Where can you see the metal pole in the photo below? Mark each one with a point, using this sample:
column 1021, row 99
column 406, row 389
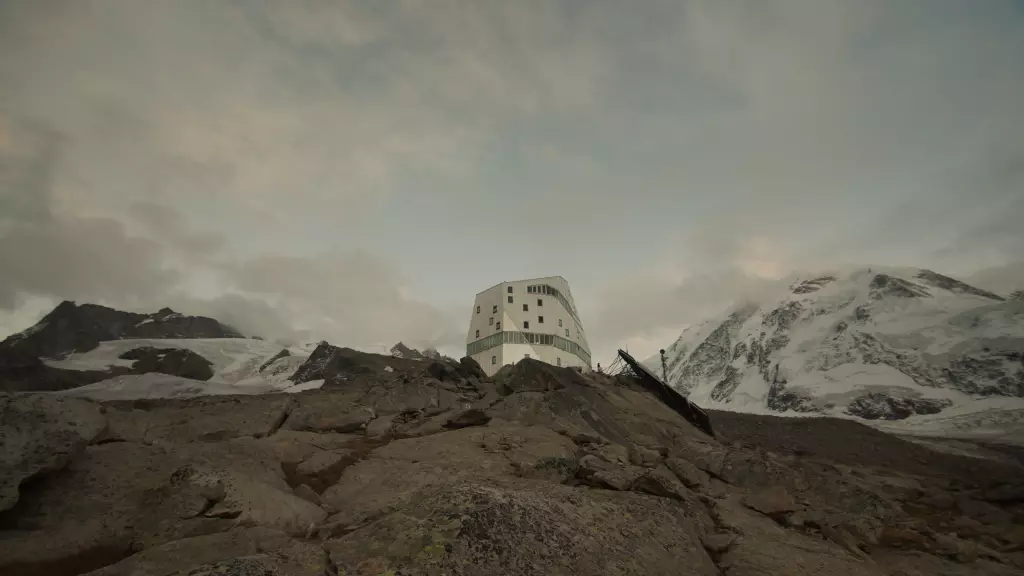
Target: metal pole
column 664, row 369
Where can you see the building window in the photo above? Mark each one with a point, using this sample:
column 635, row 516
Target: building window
column 494, row 360
column 495, row 309
column 492, row 321
column 509, row 299
column 526, row 307
column 566, row 332
column 497, row 326
column 509, row 289
column 540, row 319
column 559, row 361
column 526, row 325
column 477, row 309
column 559, row 322
column 540, row 302
column 477, row 333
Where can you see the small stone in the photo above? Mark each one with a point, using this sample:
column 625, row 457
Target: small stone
column 688, row 474
column 660, row 482
column 582, row 438
column 380, row 427
column 321, row 462
column 718, row 543
column 955, row 548
column 306, row 493
column 597, row 472
column 471, row 417
column 774, row 502
column 903, row 538
column 645, row 457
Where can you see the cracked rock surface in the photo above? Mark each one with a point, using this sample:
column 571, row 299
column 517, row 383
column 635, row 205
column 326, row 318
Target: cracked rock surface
column 430, row 468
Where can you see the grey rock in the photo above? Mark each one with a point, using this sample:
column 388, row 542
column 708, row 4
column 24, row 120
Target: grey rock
column 308, row 494
column 185, row 554
column 718, row 543
column 688, row 474
column 284, row 353
column 324, row 468
column 471, row 417
column 328, row 412
column 660, row 482
column 646, row 457
column 883, row 406
column 519, row 528
column 200, row 419
column 391, row 474
column 40, row 433
column 381, row 426
column 774, row 501
column 600, row 473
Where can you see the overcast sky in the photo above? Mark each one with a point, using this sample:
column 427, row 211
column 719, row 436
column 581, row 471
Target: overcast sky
column 357, row 171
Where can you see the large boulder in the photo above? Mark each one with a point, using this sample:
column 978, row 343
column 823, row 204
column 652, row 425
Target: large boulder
column 524, row 528
column 391, row 474
column 129, row 497
column 40, row 433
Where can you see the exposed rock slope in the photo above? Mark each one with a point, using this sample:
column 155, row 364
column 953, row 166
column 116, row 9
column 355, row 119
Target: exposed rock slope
column 879, row 344
column 428, row 468
column 80, row 328
column 70, row 328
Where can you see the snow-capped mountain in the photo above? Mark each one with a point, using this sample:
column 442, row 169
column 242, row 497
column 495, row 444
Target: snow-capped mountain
column 72, row 327
column 879, row 344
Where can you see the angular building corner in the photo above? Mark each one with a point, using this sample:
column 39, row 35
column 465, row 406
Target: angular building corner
column 534, row 318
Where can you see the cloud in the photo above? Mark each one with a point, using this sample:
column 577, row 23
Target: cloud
column 353, row 298
column 1003, row 279
column 362, row 169
column 46, row 254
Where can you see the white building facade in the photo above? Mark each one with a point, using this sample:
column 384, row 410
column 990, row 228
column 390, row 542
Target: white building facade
column 527, row 319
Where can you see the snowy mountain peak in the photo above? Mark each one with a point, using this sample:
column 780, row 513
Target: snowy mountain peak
column 876, row 343
column 72, row 327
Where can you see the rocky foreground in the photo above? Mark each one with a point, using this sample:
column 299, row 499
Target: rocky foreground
column 405, row 467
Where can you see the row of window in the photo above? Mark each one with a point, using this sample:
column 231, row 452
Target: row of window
column 528, row 338
column 526, row 326
column 526, row 307
column 494, row 360
column 552, row 291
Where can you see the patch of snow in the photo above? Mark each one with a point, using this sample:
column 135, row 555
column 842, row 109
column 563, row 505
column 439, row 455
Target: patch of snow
column 146, row 321
column 311, row 385
column 834, row 340
column 154, row 385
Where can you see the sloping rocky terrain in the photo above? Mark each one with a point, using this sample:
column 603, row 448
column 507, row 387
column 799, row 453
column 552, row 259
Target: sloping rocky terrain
column 406, row 467
column 878, row 344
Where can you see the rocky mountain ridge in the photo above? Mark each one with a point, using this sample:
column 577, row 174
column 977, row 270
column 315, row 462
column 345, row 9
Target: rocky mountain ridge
column 878, row 344
column 72, row 328
column 399, row 466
